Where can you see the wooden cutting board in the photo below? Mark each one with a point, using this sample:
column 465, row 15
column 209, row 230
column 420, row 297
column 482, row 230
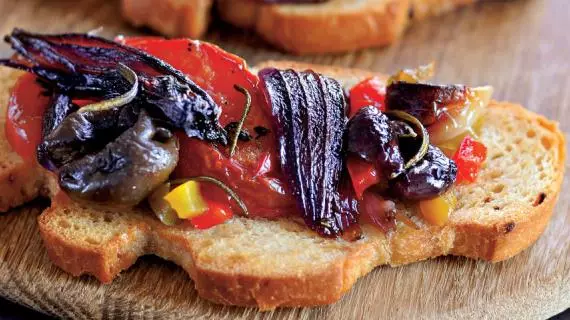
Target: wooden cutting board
column 520, row 47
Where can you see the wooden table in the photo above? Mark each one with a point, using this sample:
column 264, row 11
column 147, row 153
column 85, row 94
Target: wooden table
column 520, row 47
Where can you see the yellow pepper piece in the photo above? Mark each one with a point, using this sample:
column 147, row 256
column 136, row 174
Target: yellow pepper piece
column 422, row 73
column 186, row 200
column 436, row 211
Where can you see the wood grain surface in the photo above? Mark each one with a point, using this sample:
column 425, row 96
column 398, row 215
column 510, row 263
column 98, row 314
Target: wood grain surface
column 520, row 47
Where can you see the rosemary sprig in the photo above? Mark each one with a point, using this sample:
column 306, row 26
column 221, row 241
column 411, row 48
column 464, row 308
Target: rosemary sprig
column 218, row 183
column 242, row 120
column 401, row 115
column 121, row 100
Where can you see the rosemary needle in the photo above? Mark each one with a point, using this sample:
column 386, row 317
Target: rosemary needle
column 121, row 100
column 220, row 184
column 242, row 120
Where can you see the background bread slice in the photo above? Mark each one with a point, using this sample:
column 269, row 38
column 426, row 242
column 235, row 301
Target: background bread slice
column 189, row 18
column 281, row 263
column 421, row 9
column 334, row 26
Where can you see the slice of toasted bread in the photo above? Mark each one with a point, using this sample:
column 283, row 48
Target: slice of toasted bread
column 173, row 18
column 256, row 262
column 334, row 26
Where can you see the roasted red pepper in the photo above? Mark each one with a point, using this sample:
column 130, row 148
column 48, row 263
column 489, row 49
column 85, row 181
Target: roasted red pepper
column 363, row 175
column 369, row 92
column 217, row 213
column 26, row 108
column 469, row 158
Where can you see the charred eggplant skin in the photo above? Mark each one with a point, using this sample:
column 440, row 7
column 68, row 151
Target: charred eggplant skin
column 426, row 102
column 126, row 170
column 309, row 114
column 371, row 136
column 432, row 176
column 85, row 66
column 59, row 108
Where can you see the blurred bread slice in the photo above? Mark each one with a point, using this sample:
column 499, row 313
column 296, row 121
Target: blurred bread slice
column 421, row 9
column 188, row 18
column 333, row 26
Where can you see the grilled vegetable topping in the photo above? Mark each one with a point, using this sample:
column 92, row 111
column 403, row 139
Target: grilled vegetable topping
column 430, row 177
column 231, row 129
column 126, row 170
column 427, row 102
column 309, row 115
column 186, row 200
column 469, row 158
column 161, row 207
column 458, row 122
column 368, row 92
column 372, row 138
column 420, row 74
column 82, row 133
column 242, row 120
column 85, row 66
column 378, row 211
column 363, row 175
column 221, row 185
column 59, row 108
column 436, row 211
column 121, row 100
column 424, row 143
column 217, row 213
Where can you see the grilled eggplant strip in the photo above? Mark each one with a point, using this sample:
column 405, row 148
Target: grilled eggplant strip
column 309, row 114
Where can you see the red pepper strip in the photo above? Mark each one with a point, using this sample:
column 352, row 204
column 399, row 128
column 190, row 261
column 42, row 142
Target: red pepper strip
column 469, row 158
column 217, row 213
column 369, row 92
column 363, row 175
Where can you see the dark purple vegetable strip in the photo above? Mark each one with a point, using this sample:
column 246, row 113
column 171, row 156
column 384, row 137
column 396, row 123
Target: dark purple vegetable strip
column 309, row 114
column 426, row 102
column 85, row 66
column 371, row 136
column 59, row 108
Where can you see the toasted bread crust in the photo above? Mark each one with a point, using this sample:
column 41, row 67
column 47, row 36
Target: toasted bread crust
column 169, row 17
column 505, row 239
column 232, row 282
column 103, row 262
